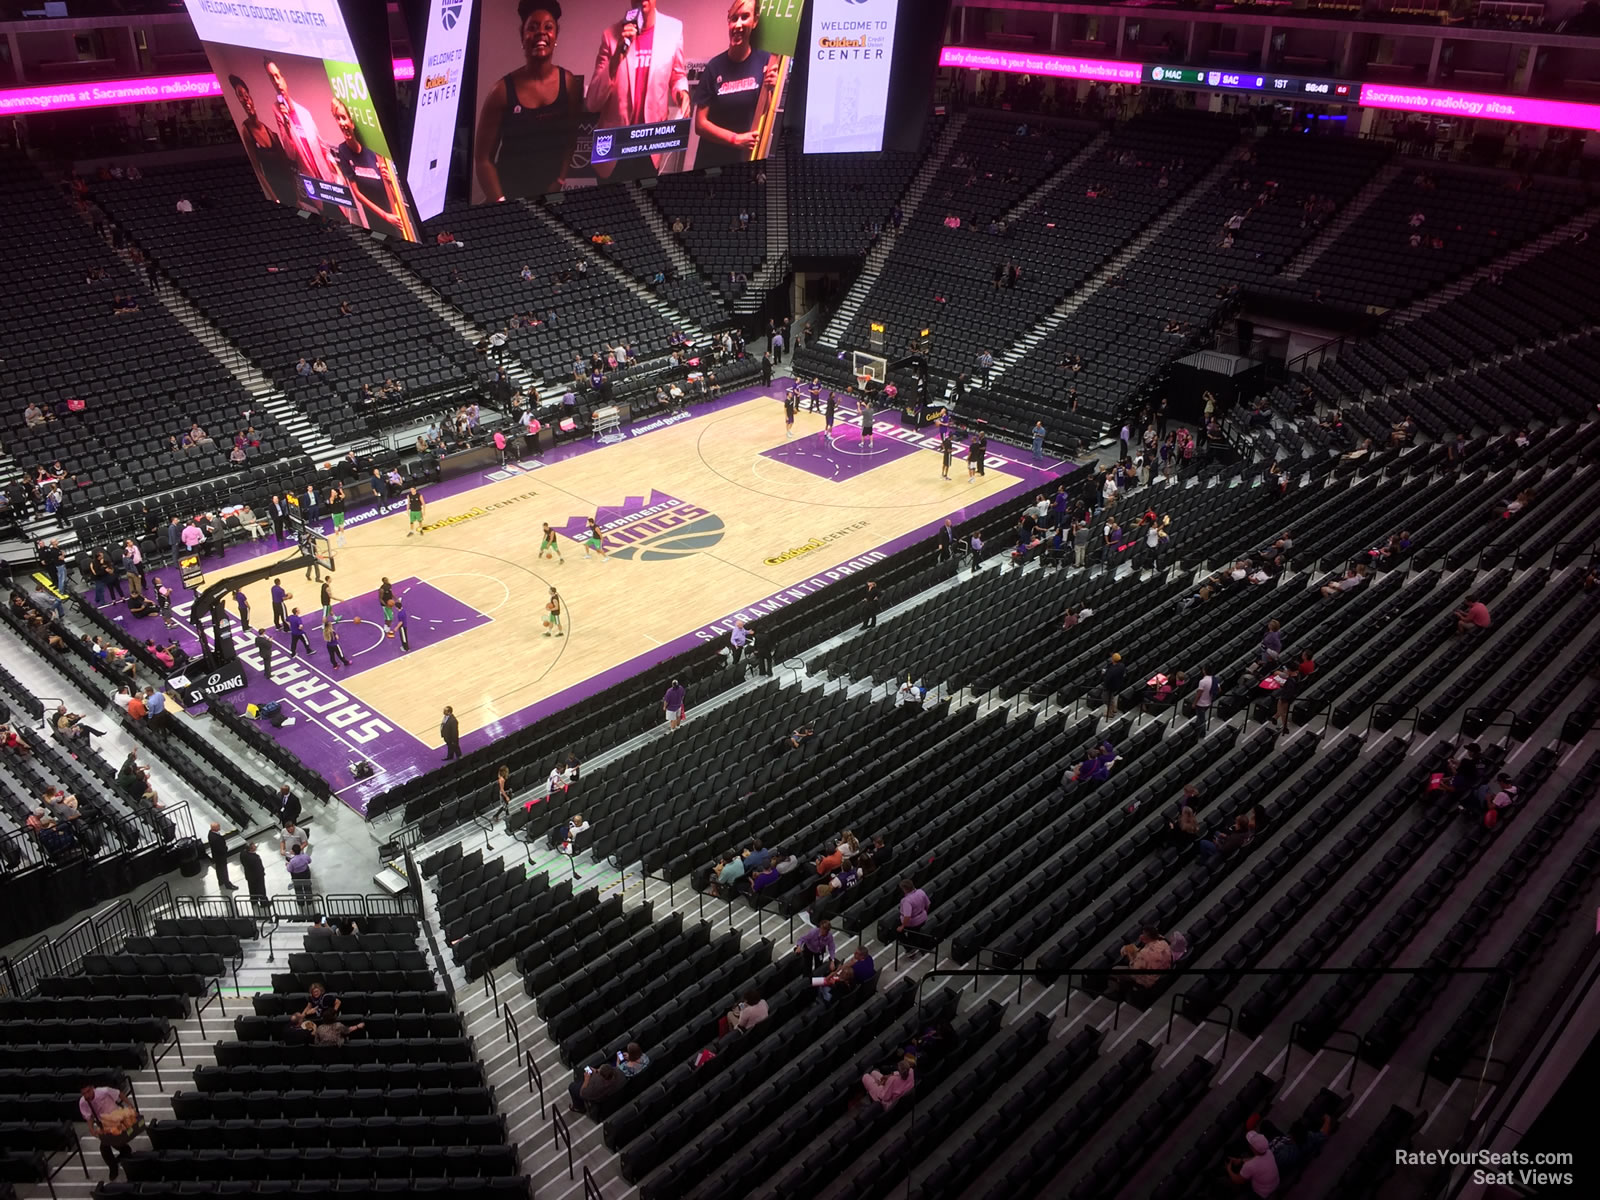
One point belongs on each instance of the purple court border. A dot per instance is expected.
(887, 425)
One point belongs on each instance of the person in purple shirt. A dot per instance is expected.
(817, 945)
(242, 603)
(672, 704)
(280, 605)
(397, 627)
(297, 634)
(298, 861)
(913, 906)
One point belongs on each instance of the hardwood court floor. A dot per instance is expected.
(481, 547)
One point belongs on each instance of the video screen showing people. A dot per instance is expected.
(577, 93)
(313, 137)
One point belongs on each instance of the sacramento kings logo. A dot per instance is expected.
(450, 12)
(652, 529)
(602, 145)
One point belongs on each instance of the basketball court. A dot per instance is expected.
(708, 514)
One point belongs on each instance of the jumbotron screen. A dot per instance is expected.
(577, 92)
(304, 110)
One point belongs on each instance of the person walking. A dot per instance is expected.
(297, 860)
(102, 1107)
(502, 785)
(330, 640)
(870, 605)
(549, 546)
(945, 541)
(280, 609)
(552, 615)
(255, 874)
(1113, 681)
(672, 704)
(972, 459)
(218, 846)
(264, 648)
(738, 638)
(450, 733)
(297, 634)
(415, 507)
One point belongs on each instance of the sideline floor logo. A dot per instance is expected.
(652, 528)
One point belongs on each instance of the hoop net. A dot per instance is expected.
(863, 380)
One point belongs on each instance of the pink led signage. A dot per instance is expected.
(1015, 62)
(1481, 105)
(18, 102)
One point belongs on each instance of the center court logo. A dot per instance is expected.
(653, 528)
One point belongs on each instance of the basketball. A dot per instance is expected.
(355, 620)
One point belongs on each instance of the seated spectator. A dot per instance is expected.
(726, 874)
(1184, 830)
(1474, 616)
(333, 1033)
(1236, 837)
(594, 1087)
(1353, 578)
(886, 1089)
(794, 740)
(1260, 1170)
(1150, 954)
(1097, 767)
(13, 742)
(69, 725)
(322, 1004)
(859, 969)
(745, 1015)
(632, 1060)
(1300, 1145)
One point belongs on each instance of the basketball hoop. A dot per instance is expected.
(864, 381)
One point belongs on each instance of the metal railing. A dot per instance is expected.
(535, 1080)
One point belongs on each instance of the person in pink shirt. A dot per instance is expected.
(191, 536)
(886, 1089)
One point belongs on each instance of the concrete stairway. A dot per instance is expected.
(775, 263)
(872, 268)
(682, 264)
(1114, 265)
(1348, 216)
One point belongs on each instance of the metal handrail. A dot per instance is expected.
(535, 1080)
(561, 1133)
(508, 1029)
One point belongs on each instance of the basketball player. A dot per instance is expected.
(594, 540)
(947, 451)
(816, 393)
(386, 599)
(398, 625)
(866, 419)
(972, 458)
(552, 615)
(549, 546)
(827, 414)
(280, 610)
(788, 413)
(330, 638)
(416, 506)
(336, 507)
(983, 449)
(327, 602)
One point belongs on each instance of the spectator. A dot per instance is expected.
(914, 907)
(333, 1033)
(595, 1087)
(632, 1060)
(1149, 955)
(1114, 680)
(745, 1015)
(322, 1005)
(726, 874)
(672, 704)
(858, 970)
(1300, 1145)
(112, 1120)
(1236, 837)
(886, 1089)
(1260, 1170)
(1474, 616)
(1097, 767)
(817, 945)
